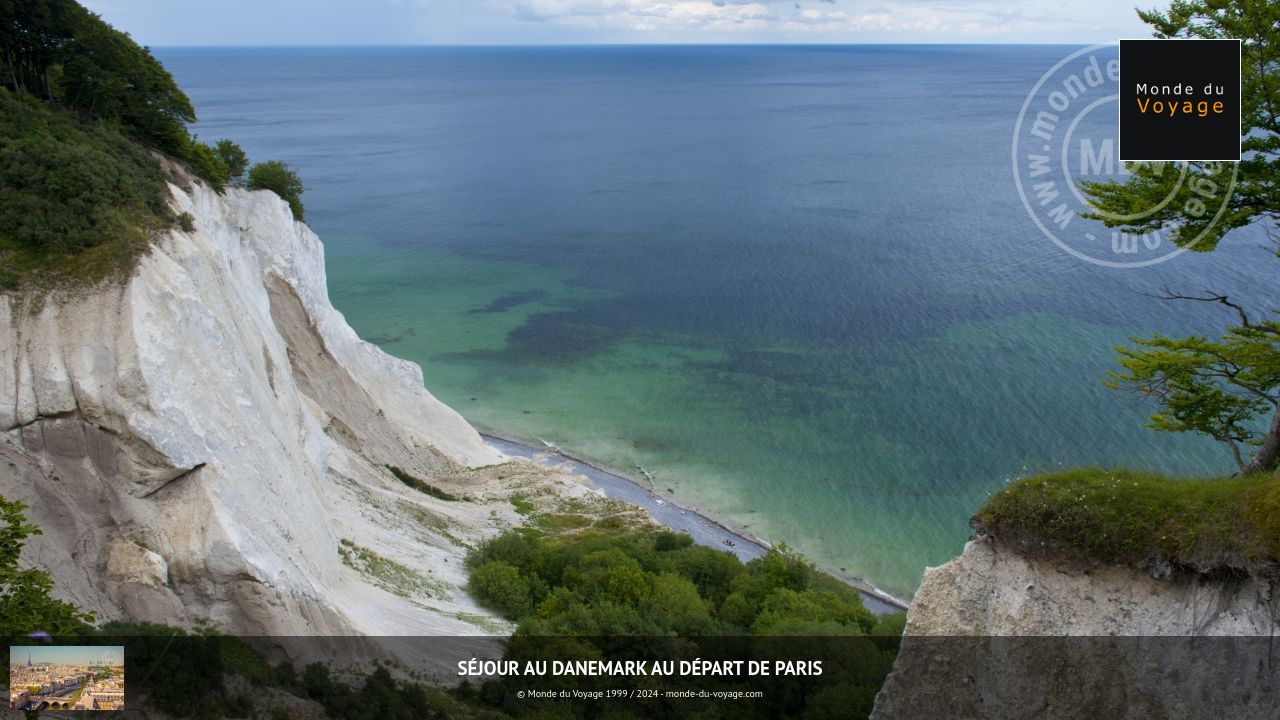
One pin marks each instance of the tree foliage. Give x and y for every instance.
(1221, 388)
(658, 596)
(106, 76)
(502, 587)
(60, 51)
(276, 176)
(208, 164)
(83, 105)
(26, 605)
(233, 158)
(1256, 194)
(32, 34)
(1226, 388)
(657, 583)
(67, 186)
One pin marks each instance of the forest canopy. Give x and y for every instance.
(657, 595)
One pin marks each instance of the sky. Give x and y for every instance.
(164, 23)
(66, 654)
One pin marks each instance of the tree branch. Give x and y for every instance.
(1209, 296)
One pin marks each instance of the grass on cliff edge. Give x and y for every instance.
(1090, 516)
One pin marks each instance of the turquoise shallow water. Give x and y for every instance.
(786, 281)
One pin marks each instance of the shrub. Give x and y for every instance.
(208, 164)
(421, 485)
(276, 176)
(674, 604)
(512, 548)
(78, 201)
(67, 185)
(499, 586)
(233, 159)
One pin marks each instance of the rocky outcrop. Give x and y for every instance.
(994, 634)
(208, 441)
(990, 590)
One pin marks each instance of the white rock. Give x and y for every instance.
(196, 440)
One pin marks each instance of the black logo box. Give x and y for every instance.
(1186, 68)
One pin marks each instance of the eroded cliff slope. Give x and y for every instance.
(994, 634)
(209, 441)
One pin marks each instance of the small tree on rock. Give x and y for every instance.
(276, 176)
(234, 158)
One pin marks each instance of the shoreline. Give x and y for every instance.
(703, 528)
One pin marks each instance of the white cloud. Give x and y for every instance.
(681, 14)
(918, 18)
(326, 22)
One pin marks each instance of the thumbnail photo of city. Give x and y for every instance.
(66, 677)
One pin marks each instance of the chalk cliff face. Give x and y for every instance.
(994, 634)
(990, 590)
(209, 441)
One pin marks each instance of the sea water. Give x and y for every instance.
(796, 285)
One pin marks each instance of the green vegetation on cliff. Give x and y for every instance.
(275, 176)
(78, 200)
(1087, 516)
(84, 111)
(62, 53)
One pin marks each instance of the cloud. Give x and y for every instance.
(919, 18)
(330, 22)
(630, 10)
(687, 15)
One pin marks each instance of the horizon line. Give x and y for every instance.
(301, 46)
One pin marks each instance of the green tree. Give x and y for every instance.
(208, 164)
(32, 32)
(233, 158)
(66, 186)
(627, 585)
(1256, 194)
(106, 75)
(1220, 388)
(710, 569)
(71, 58)
(25, 602)
(500, 586)
(276, 176)
(1225, 388)
(674, 604)
(812, 613)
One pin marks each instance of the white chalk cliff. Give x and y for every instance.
(993, 590)
(209, 441)
(995, 634)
